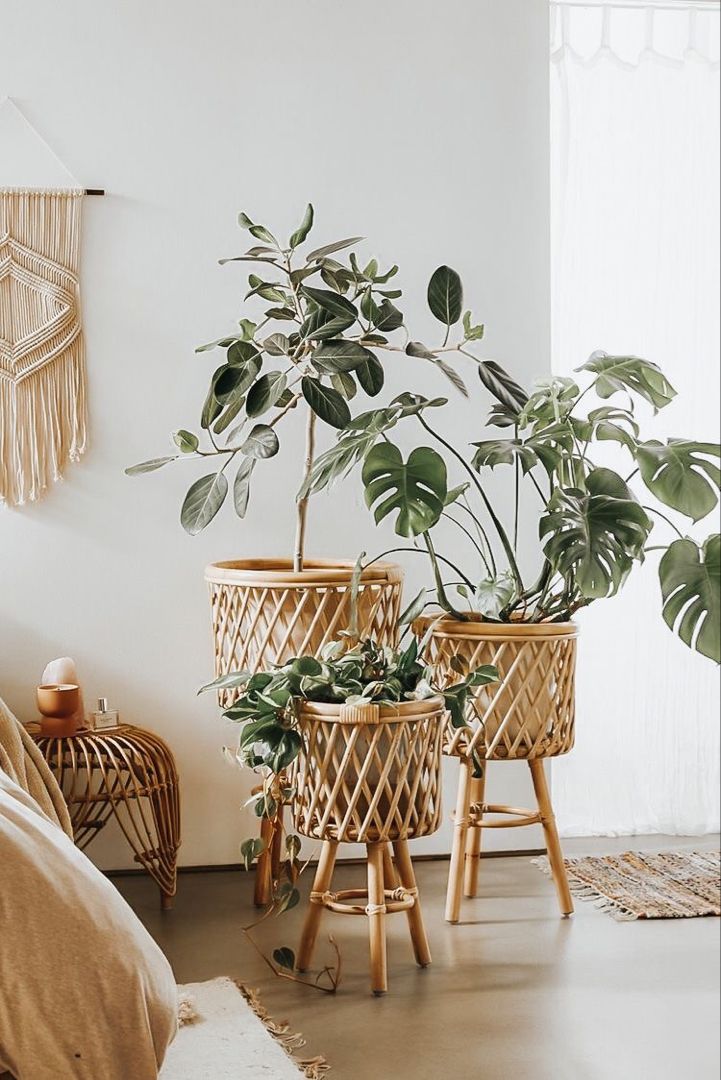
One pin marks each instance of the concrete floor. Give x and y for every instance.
(514, 992)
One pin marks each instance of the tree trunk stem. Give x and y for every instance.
(303, 503)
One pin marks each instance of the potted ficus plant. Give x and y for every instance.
(314, 347)
(352, 739)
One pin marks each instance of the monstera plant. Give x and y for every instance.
(594, 522)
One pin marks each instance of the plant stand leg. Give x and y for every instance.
(460, 831)
(389, 871)
(473, 840)
(376, 912)
(415, 917)
(553, 844)
(263, 867)
(321, 884)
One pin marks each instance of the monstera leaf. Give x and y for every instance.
(492, 452)
(614, 373)
(675, 474)
(691, 587)
(595, 536)
(415, 489)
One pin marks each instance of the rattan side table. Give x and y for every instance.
(127, 773)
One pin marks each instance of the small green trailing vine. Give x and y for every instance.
(267, 709)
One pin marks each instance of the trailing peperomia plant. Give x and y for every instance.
(594, 523)
(267, 710)
(315, 345)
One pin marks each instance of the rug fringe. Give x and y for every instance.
(187, 1012)
(586, 892)
(312, 1068)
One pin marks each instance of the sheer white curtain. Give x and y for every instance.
(635, 182)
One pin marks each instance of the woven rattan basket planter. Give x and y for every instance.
(530, 712)
(369, 774)
(263, 612)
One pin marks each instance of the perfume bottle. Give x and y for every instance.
(103, 717)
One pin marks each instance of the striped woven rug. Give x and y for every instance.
(647, 885)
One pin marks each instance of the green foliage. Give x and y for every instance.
(415, 490)
(267, 707)
(203, 501)
(445, 295)
(691, 586)
(630, 373)
(595, 536)
(325, 316)
(680, 475)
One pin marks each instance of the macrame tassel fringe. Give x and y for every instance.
(43, 426)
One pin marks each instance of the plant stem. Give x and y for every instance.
(653, 510)
(302, 504)
(472, 539)
(503, 536)
(440, 587)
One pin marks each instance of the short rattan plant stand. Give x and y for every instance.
(369, 774)
(129, 774)
(529, 714)
(264, 612)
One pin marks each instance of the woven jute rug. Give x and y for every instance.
(226, 1034)
(644, 885)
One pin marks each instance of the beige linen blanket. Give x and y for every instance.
(85, 993)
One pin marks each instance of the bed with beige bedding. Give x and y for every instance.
(85, 993)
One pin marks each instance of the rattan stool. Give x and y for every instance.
(129, 774)
(369, 775)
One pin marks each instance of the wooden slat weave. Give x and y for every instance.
(263, 613)
(369, 781)
(530, 712)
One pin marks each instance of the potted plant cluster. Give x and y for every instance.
(352, 740)
(324, 323)
(318, 345)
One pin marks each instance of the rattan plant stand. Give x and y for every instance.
(369, 775)
(264, 612)
(529, 714)
(129, 774)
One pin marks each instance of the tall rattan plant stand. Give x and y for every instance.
(264, 613)
(529, 714)
(369, 775)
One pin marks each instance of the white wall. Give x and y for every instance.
(422, 125)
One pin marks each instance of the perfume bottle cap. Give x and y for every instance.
(102, 704)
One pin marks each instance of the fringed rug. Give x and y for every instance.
(645, 885)
(226, 1034)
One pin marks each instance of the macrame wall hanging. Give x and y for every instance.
(43, 423)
